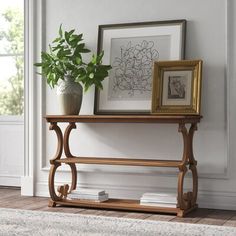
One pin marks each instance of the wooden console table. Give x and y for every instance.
(186, 202)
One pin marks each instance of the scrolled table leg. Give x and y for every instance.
(63, 142)
(187, 200)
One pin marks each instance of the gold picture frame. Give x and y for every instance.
(176, 87)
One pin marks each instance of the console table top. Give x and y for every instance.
(124, 118)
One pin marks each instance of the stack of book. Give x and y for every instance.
(96, 195)
(159, 200)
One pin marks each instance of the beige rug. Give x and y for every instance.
(28, 223)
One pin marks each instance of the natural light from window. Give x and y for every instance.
(11, 57)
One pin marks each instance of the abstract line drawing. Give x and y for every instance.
(133, 68)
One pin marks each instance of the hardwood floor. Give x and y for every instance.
(11, 198)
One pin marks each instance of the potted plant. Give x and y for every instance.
(63, 66)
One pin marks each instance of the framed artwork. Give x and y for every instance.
(131, 50)
(177, 87)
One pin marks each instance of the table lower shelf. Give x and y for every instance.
(122, 161)
(122, 204)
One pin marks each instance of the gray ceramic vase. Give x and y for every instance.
(70, 96)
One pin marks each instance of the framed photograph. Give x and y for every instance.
(131, 50)
(177, 87)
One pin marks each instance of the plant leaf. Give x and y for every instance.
(78, 60)
(67, 36)
(99, 58)
(38, 64)
(60, 30)
(85, 50)
(94, 59)
(56, 40)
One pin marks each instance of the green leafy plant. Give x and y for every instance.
(65, 59)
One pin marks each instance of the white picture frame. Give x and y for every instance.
(131, 50)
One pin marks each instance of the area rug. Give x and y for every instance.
(28, 223)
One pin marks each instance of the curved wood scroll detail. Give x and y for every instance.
(51, 181)
(193, 168)
(73, 176)
(66, 139)
(182, 204)
(192, 129)
(64, 189)
(58, 154)
(184, 131)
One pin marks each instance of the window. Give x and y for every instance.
(12, 57)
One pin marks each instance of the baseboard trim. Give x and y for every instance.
(10, 180)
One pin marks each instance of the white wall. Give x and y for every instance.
(210, 37)
(11, 150)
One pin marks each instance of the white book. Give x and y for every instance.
(158, 204)
(92, 198)
(158, 201)
(160, 197)
(88, 195)
(89, 191)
